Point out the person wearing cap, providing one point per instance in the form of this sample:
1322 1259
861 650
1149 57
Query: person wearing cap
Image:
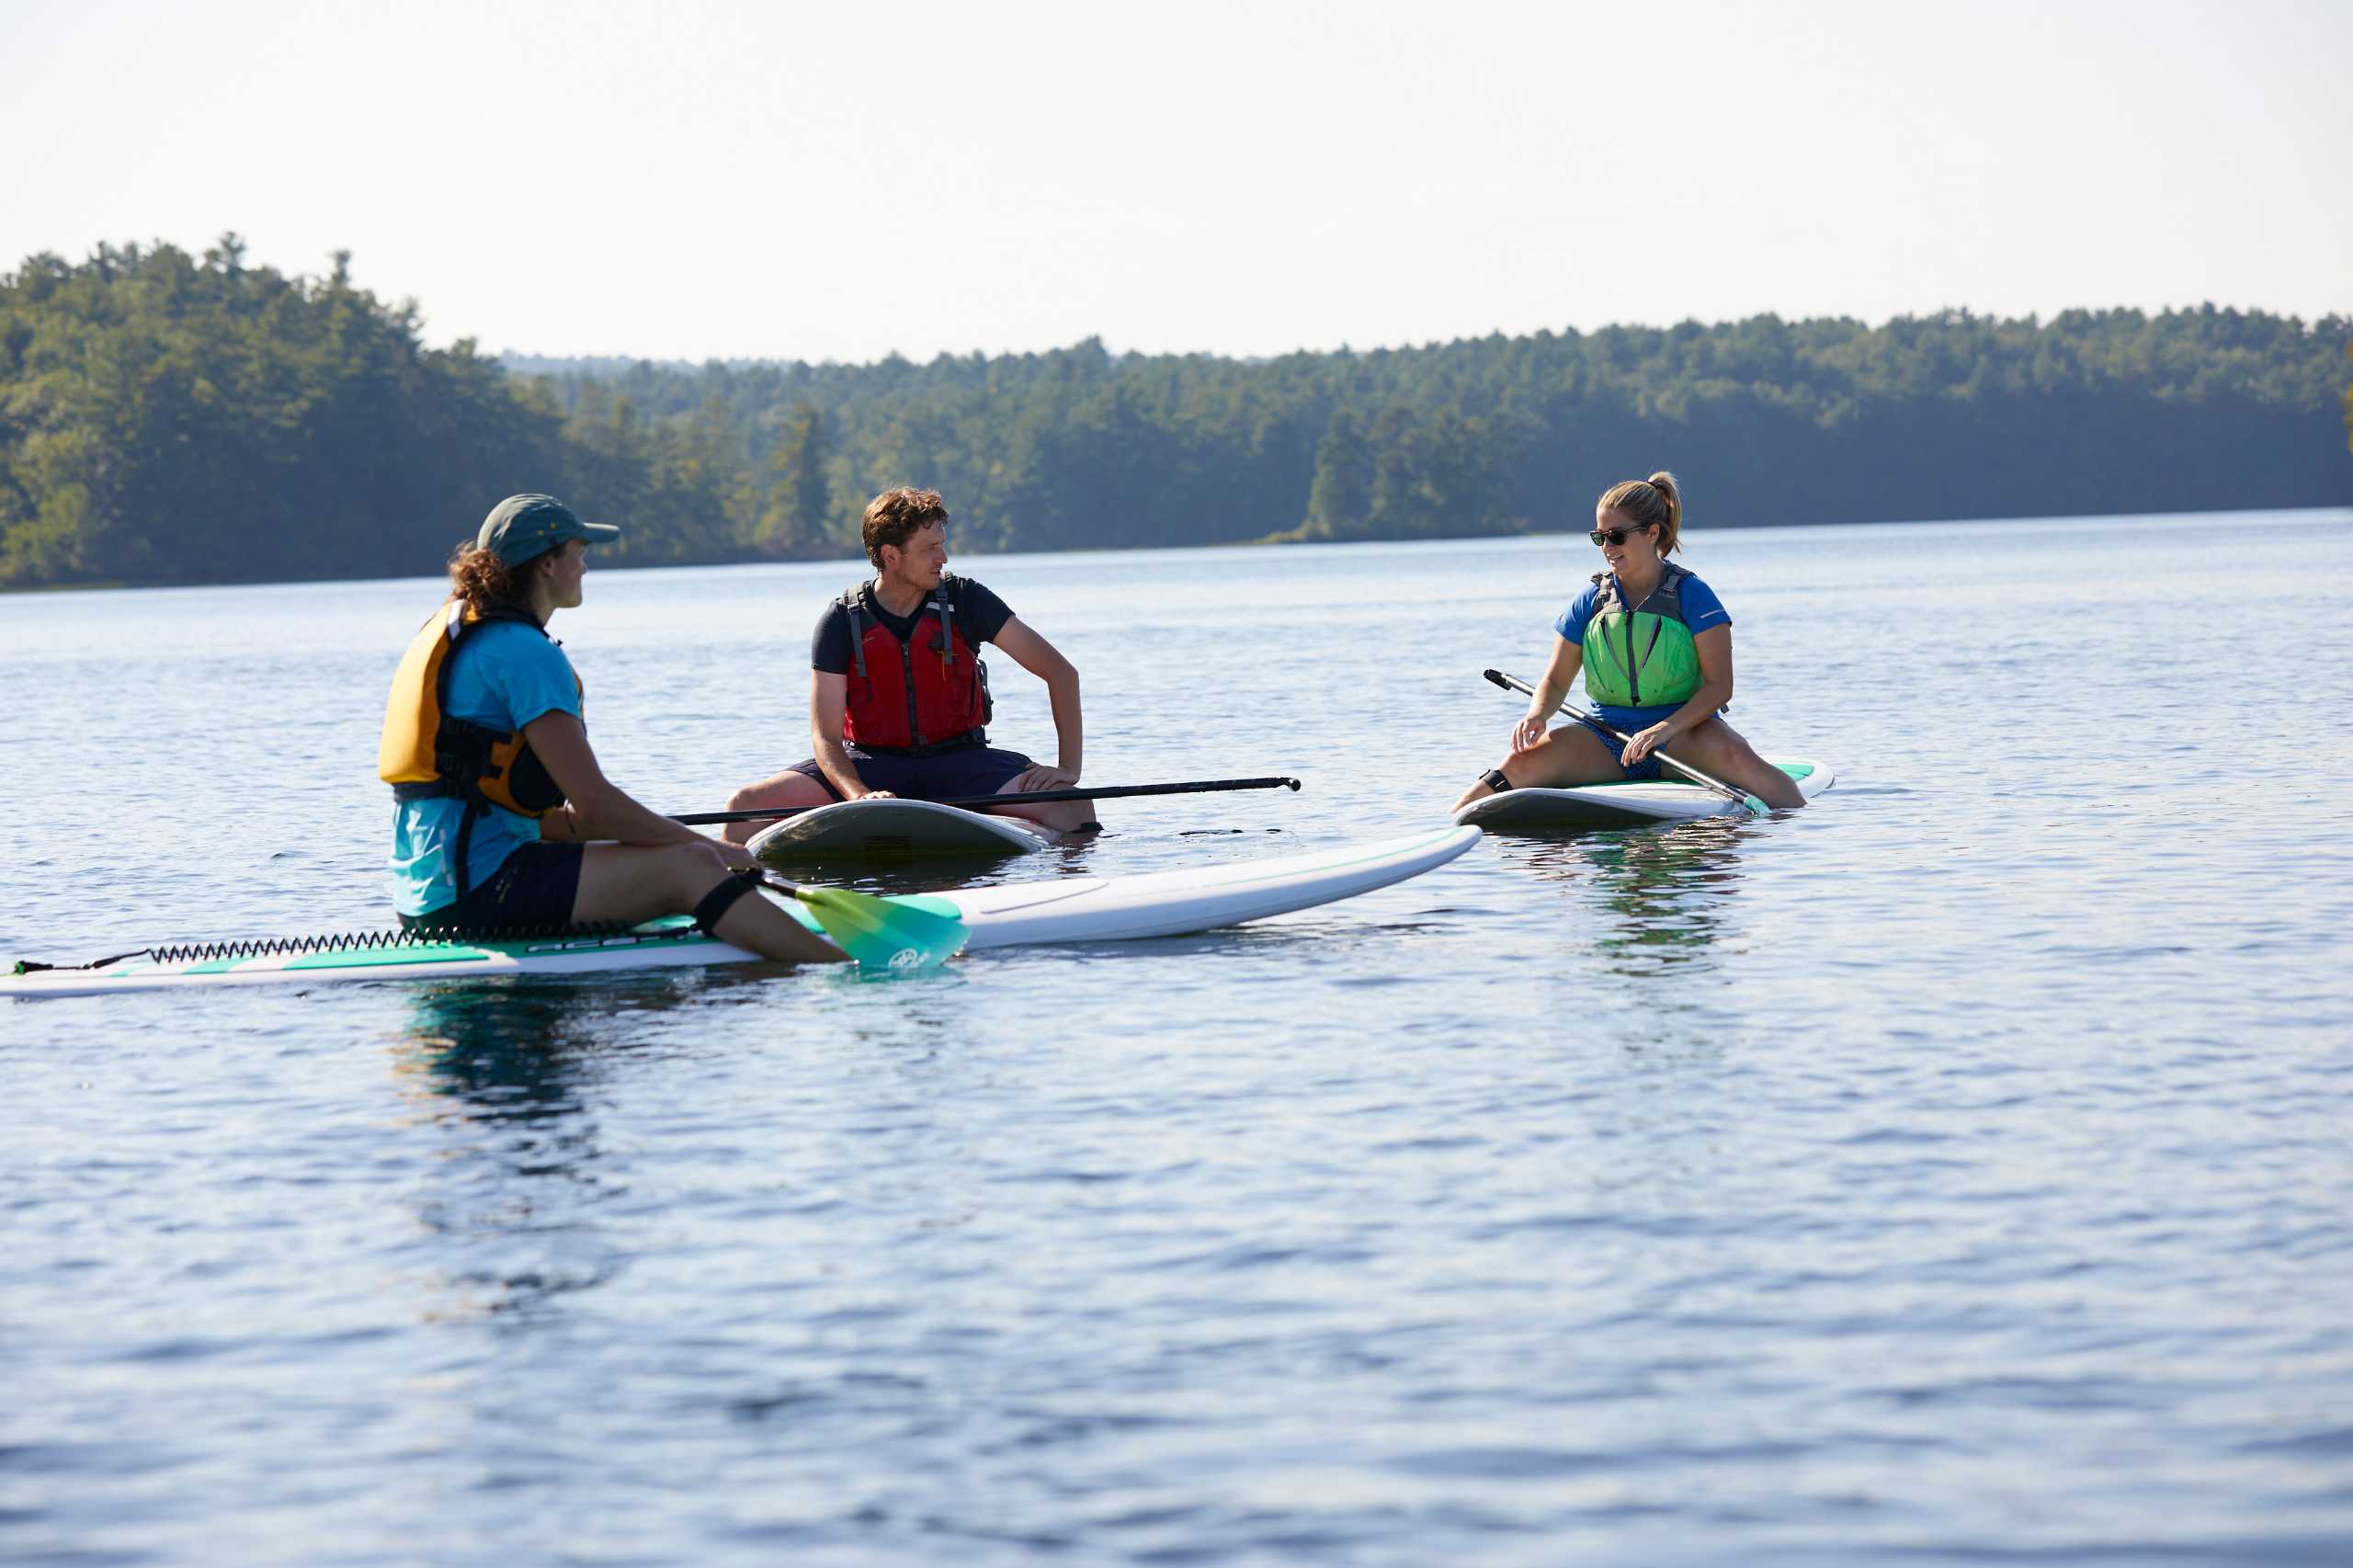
503 821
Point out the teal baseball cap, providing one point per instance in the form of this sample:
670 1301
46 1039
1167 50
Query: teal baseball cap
523 526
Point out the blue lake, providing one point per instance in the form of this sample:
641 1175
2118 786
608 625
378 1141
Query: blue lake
1957 1170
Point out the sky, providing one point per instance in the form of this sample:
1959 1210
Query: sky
690 181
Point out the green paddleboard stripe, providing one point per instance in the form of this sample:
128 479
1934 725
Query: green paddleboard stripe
376 958
669 931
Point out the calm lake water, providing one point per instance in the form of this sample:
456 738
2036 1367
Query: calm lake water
1956 1171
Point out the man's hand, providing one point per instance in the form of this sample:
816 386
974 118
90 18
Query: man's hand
1041 777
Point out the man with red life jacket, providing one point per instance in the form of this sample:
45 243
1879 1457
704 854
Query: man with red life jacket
898 697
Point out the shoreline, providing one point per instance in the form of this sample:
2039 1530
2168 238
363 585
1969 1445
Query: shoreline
856 563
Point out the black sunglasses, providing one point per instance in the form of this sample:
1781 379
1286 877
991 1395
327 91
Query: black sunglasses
1617 535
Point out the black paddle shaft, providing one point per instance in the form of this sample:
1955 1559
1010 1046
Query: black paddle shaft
1023 797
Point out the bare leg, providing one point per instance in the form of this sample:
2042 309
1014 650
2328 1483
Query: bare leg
785 792
1062 816
1716 748
637 881
1570 755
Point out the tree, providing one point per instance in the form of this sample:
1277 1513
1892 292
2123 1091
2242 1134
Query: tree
1339 498
796 510
166 417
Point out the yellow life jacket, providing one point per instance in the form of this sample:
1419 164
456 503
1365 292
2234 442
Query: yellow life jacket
425 754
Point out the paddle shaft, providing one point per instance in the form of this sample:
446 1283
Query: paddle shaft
1594 721
1022 797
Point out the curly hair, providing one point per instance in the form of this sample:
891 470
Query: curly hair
894 516
479 577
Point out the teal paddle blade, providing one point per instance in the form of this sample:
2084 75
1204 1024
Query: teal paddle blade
878 933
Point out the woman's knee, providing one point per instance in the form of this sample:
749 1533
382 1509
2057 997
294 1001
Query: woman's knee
1715 738
691 869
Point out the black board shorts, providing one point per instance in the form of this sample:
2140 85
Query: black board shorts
534 888
952 775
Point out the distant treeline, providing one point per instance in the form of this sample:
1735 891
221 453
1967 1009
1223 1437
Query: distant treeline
166 417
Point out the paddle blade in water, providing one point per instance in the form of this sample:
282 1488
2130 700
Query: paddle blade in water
878 933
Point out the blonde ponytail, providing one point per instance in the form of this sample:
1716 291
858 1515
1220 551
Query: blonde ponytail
1644 502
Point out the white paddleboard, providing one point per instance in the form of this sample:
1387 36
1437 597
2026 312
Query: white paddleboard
1625 804
1060 909
1169 904
894 829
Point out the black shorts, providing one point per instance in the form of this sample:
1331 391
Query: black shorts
533 887
956 774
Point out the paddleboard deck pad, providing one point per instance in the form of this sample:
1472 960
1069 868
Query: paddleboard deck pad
1627 804
1060 909
894 829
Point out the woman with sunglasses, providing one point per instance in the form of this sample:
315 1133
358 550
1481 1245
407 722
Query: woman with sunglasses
1655 645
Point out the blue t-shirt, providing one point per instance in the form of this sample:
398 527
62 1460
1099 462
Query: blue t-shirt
1702 611
506 676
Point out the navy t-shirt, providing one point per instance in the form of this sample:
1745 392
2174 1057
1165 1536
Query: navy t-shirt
977 613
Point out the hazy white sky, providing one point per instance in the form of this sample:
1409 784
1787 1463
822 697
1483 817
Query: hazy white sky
841 181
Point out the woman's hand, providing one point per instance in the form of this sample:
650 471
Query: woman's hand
874 795
1645 741
1528 732
738 858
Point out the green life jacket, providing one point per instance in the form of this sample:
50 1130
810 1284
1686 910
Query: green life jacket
1643 658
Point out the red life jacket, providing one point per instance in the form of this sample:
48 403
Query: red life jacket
923 695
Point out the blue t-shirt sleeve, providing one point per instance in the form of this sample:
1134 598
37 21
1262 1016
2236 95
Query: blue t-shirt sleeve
1573 621
1702 611
508 676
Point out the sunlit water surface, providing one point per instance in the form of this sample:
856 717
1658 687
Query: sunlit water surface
1957 1170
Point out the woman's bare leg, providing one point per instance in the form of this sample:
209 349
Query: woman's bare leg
630 883
1570 755
1716 748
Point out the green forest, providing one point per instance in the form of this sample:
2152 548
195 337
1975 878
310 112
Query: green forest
167 418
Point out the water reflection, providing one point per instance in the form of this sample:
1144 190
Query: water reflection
1664 892
519 1077
508 1070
